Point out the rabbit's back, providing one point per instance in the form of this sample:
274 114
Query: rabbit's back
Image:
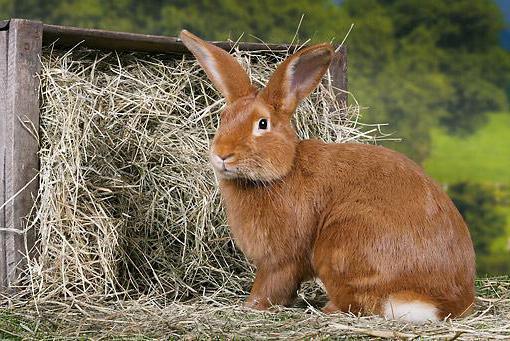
387 228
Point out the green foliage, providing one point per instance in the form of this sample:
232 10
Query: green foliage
439 62
493 264
269 20
477 204
91 13
473 95
481 157
479 80
5 8
451 22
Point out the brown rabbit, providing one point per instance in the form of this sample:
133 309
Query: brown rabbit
380 234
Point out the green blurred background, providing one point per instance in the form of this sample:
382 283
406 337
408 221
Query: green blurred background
438 71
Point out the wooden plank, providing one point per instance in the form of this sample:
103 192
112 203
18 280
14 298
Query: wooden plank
66 36
21 120
338 71
3 109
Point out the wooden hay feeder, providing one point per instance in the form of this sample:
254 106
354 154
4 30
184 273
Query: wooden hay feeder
21 47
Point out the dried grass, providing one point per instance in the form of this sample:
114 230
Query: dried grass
207 318
131 233
128 201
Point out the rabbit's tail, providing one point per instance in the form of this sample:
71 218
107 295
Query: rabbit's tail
410 307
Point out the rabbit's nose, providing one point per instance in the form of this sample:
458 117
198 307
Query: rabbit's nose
226 156
219 160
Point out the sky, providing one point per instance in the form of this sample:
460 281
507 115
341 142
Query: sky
505 35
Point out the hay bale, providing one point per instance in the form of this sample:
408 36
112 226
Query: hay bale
128 203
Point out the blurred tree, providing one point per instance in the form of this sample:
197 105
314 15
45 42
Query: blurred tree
269 20
480 80
120 14
450 21
477 204
5 9
404 86
446 52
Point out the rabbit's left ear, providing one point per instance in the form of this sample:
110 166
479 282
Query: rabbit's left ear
222 69
297 76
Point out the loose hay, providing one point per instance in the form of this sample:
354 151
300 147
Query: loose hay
207 318
131 233
128 202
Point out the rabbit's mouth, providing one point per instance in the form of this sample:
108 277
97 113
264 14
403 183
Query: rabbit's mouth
231 167
222 166
229 174
228 170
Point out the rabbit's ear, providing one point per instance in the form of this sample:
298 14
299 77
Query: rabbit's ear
222 69
297 76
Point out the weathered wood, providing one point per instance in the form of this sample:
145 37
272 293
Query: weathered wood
64 36
121 41
338 71
3 110
20 123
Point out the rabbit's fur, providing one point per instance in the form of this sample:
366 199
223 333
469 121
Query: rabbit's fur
380 234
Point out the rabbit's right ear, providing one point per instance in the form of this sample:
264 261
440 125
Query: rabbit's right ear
222 69
297 76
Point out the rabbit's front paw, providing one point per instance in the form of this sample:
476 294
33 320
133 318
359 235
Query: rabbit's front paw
257 303
330 308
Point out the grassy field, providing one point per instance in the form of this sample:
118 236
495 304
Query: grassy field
483 156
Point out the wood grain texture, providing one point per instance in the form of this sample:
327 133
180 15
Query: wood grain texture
3 114
21 123
66 36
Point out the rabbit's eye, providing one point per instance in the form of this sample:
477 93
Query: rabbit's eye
263 124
